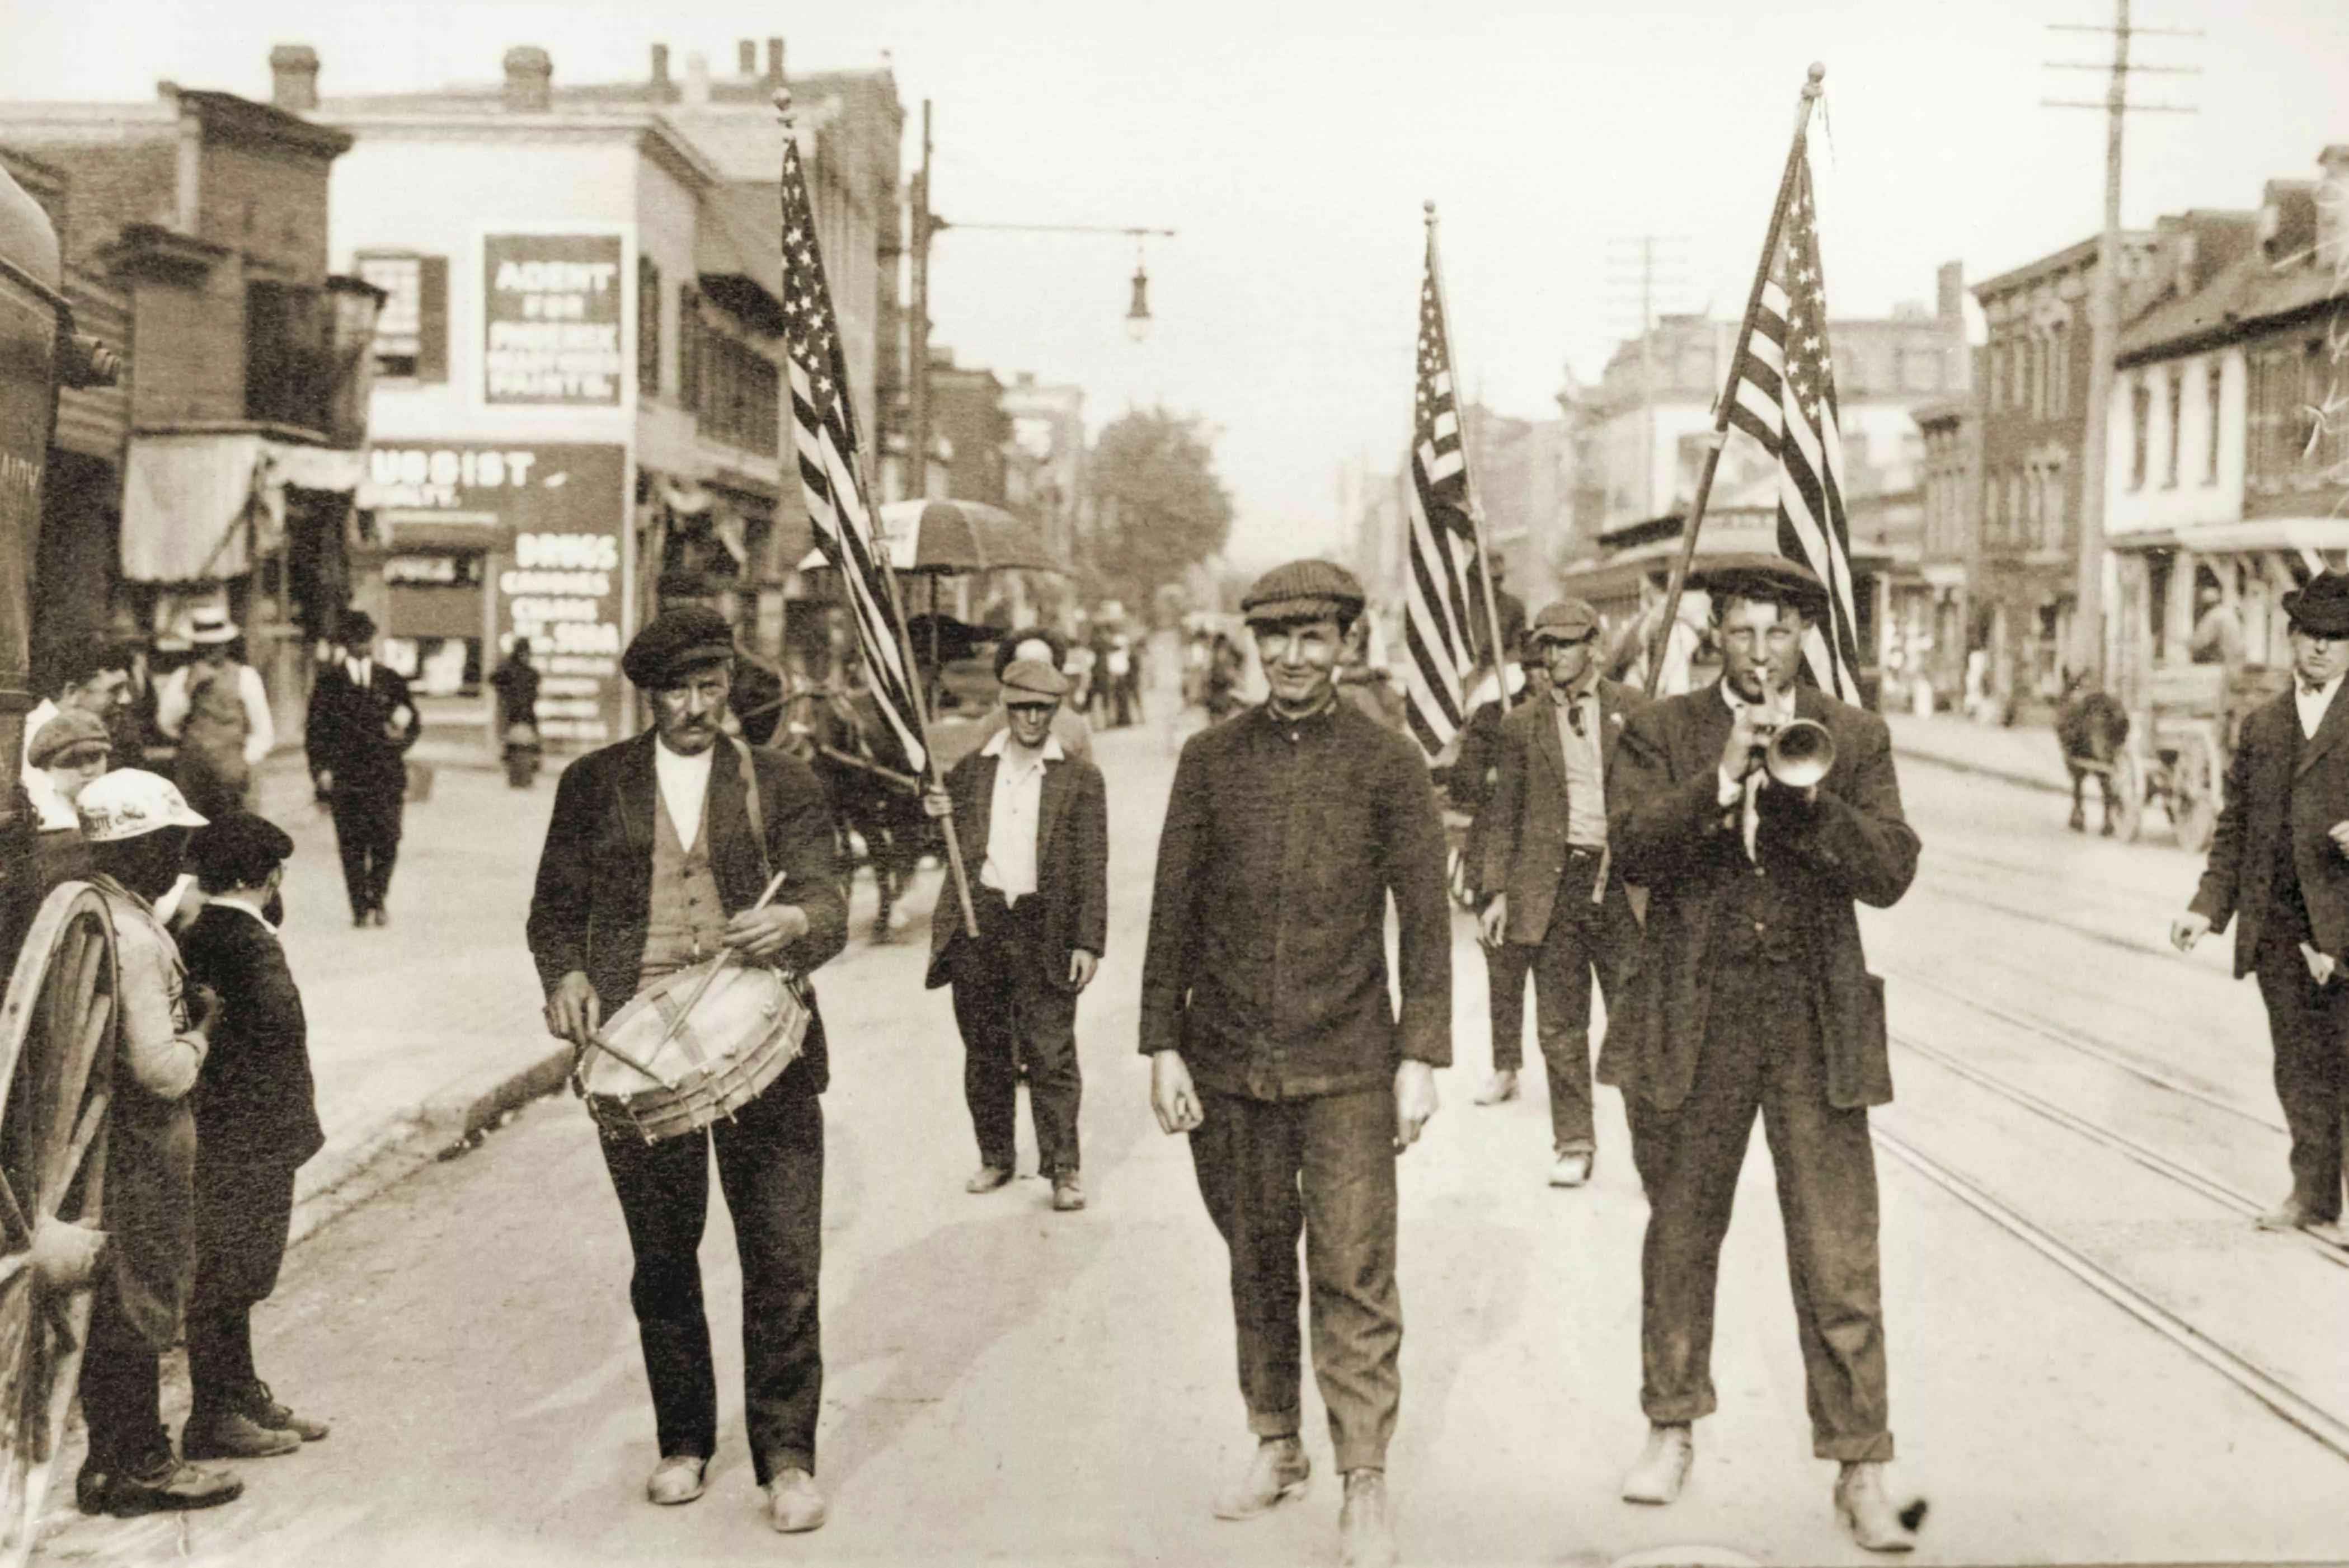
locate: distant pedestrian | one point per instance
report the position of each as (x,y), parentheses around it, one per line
(217,709)
(70,751)
(1034,822)
(256,1124)
(1266,1014)
(138,826)
(2279,860)
(362,722)
(515,681)
(1554,892)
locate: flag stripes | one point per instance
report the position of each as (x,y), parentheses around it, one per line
(1442,544)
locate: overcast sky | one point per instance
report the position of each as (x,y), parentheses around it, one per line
(1292,143)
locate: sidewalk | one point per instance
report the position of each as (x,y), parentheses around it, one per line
(2027,755)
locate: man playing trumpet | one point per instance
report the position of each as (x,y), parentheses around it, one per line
(1756,835)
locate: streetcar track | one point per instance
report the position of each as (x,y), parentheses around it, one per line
(2269,1388)
(2039,918)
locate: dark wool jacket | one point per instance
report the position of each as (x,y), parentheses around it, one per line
(1267,965)
(255,1101)
(596,874)
(349,732)
(1072,860)
(2282,791)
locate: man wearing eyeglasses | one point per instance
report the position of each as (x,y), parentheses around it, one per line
(1558,904)
(1034,822)
(2280,861)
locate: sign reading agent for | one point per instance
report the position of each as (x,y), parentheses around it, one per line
(551,311)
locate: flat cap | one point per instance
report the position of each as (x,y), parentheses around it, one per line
(2322,608)
(1758,575)
(1303,590)
(1034,677)
(239,848)
(679,638)
(1565,620)
(70,730)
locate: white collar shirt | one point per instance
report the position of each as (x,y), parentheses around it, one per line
(1015,814)
(1577,717)
(231,901)
(361,671)
(684,787)
(56,814)
(2313,701)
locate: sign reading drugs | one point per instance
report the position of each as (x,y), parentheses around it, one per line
(551,312)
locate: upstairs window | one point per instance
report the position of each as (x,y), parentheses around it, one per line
(648,327)
(411,331)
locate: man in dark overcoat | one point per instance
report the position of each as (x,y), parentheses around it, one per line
(652,864)
(1274,1041)
(361,723)
(1751,993)
(2279,865)
(1034,822)
(1553,896)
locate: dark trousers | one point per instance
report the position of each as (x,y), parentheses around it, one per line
(770,1165)
(367,831)
(2310,1027)
(1763,1051)
(121,1392)
(1506,969)
(1009,1011)
(1584,938)
(1323,1169)
(245,1211)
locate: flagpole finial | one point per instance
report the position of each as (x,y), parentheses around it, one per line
(1818,73)
(783,108)
(1428,207)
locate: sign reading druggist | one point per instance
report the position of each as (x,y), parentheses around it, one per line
(551,310)
(553,514)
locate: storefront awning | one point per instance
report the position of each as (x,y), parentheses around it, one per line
(2293,535)
(196,506)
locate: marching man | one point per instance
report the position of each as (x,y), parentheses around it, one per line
(1751,993)
(1272,1042)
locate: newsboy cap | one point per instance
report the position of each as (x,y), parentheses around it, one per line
(1032,678)
(1303,590)
(1566,620)
(2323,607)
(238,849)
(679,639)
(1757,574)
(70,730)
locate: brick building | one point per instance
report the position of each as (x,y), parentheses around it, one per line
(1934,622)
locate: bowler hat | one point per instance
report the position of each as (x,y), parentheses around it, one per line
(1566,620)
(1757,574)
(356,629)
(1032,678)
(1303,590)
(681,637)
(2323,607)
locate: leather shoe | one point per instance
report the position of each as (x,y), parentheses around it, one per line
(233,1435)
(987,1179)
(1866,1512)
(1663,1465)
(2290,1215)
(1499,1087)
(1277,1474)
(1365,1540)
(677,1479)
(794,1506)
(1572,1169)
(166,1486)
(263,1407)
(1068,1192)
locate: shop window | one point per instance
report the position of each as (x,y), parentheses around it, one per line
(648,327)
(2174,398)
(411,332)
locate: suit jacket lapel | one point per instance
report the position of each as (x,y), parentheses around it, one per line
(2328,729)
(980,811)
(1552,746)
(1054,801)
(638,793)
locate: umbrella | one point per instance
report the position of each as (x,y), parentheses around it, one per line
(948,536)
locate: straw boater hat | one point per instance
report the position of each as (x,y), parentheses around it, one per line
(208,625)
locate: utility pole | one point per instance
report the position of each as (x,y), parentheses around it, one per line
(917,332)
(1644,255)
(2087,654)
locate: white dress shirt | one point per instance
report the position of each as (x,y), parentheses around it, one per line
(231,901)
(684,786)
(1585,792)
(1015,814)
(1777,707)
(2313,703)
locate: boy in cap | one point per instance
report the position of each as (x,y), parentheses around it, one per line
(138,826)
(1556,899)
(256,1123)
(1034,822)
(659,850)
(69,752)
(1265,1013)
(361,724)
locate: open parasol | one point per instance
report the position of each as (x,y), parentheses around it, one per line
(950,537)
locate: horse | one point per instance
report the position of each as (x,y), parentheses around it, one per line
(875,796)
(2093,729)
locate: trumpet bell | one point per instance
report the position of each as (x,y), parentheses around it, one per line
(1800,754)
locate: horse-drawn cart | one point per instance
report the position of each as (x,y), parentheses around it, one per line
(2178,742)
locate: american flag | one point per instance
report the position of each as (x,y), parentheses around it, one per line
(824,424)
(1443,544)
(1784,396)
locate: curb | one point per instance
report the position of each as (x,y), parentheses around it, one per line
(1976,770)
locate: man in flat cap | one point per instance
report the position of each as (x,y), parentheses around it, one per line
(1035,821)
(361,723)
(659,849)
(1751,993)
(1266,1014)
(2280,862)
(1554,895)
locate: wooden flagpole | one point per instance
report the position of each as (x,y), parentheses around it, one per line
(1687,556)
(1468,470)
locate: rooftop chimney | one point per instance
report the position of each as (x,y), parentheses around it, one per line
(660,70)
(293,77)
(697,79)
(530,81)
(2332,208)
(1950,291)
(774,62)
(746,58)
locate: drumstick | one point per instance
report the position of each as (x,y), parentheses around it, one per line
(613,1051)
(774,885)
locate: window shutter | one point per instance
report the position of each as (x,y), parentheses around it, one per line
(432,319)
(648,324)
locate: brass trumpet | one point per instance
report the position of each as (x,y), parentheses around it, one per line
(1799,753)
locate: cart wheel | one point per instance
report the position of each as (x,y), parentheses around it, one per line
(2129,788)
(57,1051)
(2194,794)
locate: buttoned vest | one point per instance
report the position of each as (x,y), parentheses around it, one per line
(686,918)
